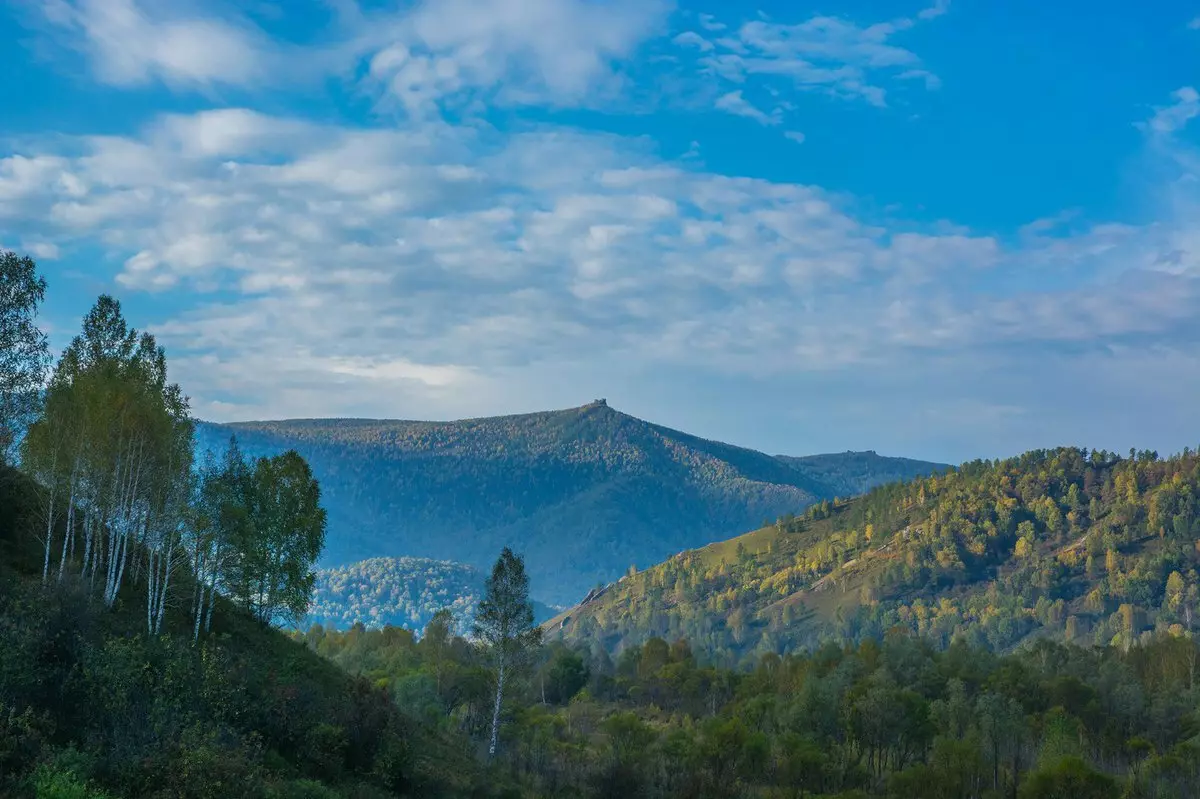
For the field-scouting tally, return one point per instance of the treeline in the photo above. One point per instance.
(1083, 546)
(110, 441)
(897, 718)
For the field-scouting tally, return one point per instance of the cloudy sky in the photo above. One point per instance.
(948, 230)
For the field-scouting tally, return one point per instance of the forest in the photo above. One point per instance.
(1076, 545)
(890, 718)
(143, 595)
(400, 592)
(584, 492)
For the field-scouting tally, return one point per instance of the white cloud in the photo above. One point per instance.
(824, 53)
(795, 136)
(939, 8)
(734, 103)
(1194, 24)
(1171, 118)
(513, 52)
(371, 265)
(693, 39)
(131, 43)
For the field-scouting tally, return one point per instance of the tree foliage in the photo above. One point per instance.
(24, 351)
(1074, 544)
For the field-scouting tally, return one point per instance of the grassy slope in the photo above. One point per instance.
(133, 705)
(582, 493)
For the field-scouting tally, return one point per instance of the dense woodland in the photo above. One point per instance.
(1074, 545)
(583, 493)
(400, 592)
(895, 718)
(142, 591)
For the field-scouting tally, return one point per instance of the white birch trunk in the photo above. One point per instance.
(496, 710)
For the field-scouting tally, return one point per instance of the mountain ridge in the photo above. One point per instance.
(1056, 543)
(583, 492)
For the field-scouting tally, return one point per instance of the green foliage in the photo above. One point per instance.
(586, 491)
(504, 624)
(24, 353)
(895, 718)
(401, 592)
(1059, 543)
(1069, 778)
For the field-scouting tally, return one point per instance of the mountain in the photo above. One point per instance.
(1084, 547)
(582, 493)
(848, 474)
(402, 592)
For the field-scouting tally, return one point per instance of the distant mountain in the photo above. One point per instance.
(582, 493)
(849, 474)
(1066, 544)
(402, 592)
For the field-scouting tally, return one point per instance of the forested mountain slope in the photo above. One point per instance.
(583, 493)
(402, 592)
(1065, 543)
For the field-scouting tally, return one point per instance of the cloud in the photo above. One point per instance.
(435, 265)
(511, 52)
(823, 53)
(795, 136)
(130, 43)
(737, 105)
(693, 39)
(1172, 118)
(939, 8)
(1194, 24)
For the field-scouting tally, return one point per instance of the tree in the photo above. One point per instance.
(504, 623)
(113, 443)
(24, 353)
(436, 641)
(275, 549)
(219, 520)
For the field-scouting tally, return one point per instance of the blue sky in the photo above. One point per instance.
(938, 229)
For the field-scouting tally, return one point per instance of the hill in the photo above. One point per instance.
(402, 592)
(93, 707)
(1063, 543)
(583, 493)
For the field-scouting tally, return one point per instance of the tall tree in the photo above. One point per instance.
(24, 352)
(113, 443)
(281, 539)
(504, 622)
(219, 520)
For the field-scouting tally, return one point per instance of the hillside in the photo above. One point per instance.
(92, 707)
(402, 592)
(583, 493)
(1063, 543)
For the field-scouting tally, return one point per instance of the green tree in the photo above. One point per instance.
(436, 641)
(1068, 778)
(504, 623)
(285, 533)
(24, 352)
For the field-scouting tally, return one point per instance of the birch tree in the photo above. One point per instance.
(504, 624)
(113, 447)
(220, 519)
(24, 352)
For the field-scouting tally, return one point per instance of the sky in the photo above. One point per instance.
(945, 229)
